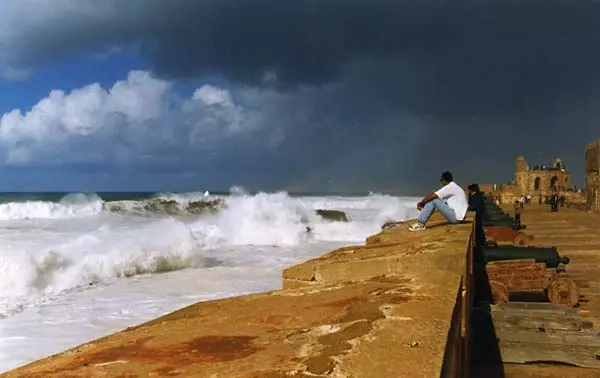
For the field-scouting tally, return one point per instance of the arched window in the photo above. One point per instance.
(553, 182)
(537, 183)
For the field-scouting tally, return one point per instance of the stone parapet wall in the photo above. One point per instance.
(510, 193)
(570, 197)
(592, 184)
(592, 176)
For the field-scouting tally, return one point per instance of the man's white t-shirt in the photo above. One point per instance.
(456, 198)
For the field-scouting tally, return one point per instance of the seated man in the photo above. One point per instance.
(450, 200)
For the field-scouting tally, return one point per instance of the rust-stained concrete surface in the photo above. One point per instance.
(381, 310)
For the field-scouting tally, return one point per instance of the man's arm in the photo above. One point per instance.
(427, 198)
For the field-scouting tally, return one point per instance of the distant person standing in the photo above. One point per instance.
(528, 199)
(553, 203)
(517, 208)
(450, 200)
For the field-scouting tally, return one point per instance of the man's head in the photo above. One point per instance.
(446, 178)
(473, 188)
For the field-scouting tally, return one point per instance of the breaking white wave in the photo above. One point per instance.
(33, 270)
(53, 252)
(79, 205)
(280, 220)
(170, 206)
(41, 259)
(72, 205)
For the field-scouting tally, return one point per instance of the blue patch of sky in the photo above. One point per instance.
(73, 72)
(83, 69)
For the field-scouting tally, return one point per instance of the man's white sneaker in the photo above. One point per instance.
(417, 226)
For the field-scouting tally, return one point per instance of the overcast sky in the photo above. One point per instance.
(303, 95)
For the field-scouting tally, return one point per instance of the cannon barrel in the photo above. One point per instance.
(490, 205)
(498, 219)
(547, 255)
(491, 214)
(494, 222)
(497, 216)
(502, 223)
(494, 211)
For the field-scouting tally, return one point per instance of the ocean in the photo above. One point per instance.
(75, 267)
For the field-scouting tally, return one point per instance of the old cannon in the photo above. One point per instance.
(529, 270)
(493, 225)
(547, 255)
(500, 227)
(499, 218)
(494, 213)
(504, 221)
(497, 215)
(500, 234)
(510, 277)
(491, 209)
(504, 229)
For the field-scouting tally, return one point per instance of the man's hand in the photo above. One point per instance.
(429, 197)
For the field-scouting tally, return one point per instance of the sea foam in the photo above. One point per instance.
(79, 261)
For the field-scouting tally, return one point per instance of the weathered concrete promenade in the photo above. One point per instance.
(395, 307)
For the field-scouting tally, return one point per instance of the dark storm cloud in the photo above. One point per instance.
(419, 82)
(480, 55)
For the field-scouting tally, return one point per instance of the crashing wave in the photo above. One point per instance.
(54, 258)
(105, 255)
(70, 206)
(168, 206)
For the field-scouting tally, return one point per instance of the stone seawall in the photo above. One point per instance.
(395, 307)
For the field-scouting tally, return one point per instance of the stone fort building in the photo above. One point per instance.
(541, 180)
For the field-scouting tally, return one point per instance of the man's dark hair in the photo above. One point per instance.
(447, 176)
